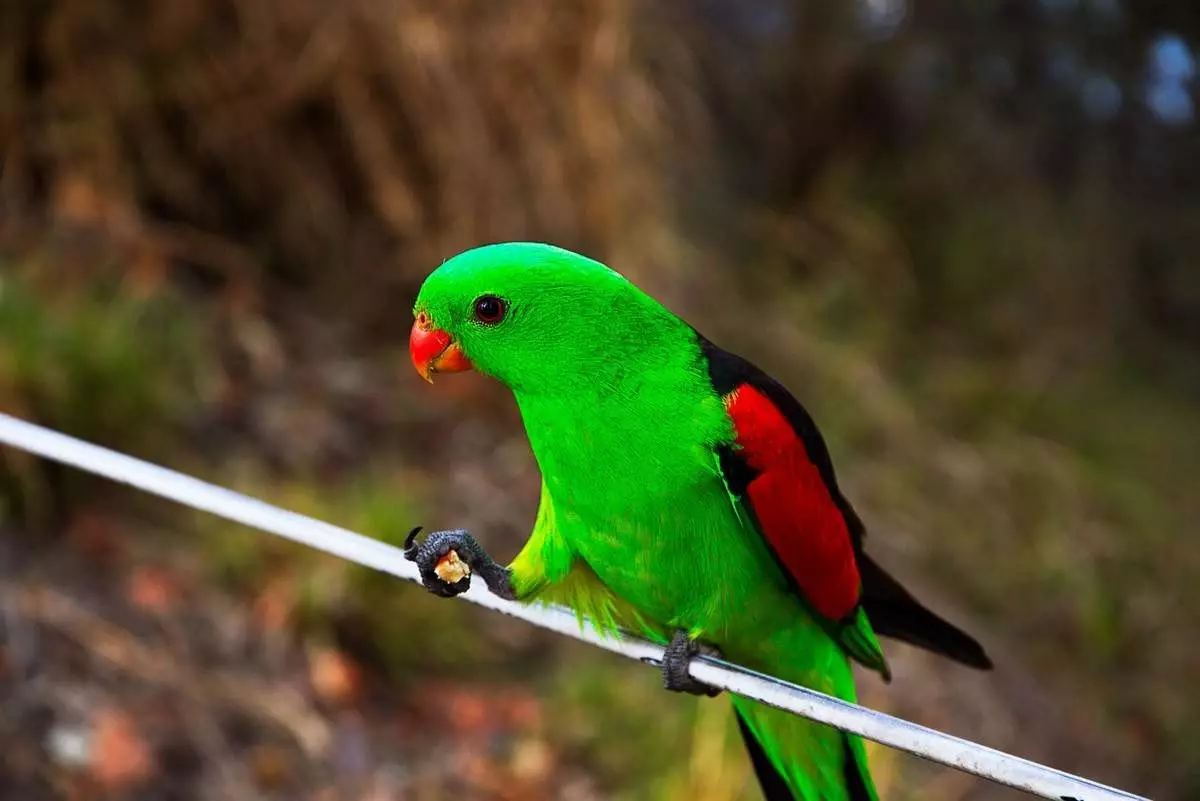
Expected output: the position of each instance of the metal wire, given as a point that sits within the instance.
(902, 734)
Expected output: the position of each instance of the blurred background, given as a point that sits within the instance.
(964, 233)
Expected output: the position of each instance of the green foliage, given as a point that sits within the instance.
(96, 362)
(400, 627)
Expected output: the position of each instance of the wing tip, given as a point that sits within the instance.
(896, 614)
(974, 656)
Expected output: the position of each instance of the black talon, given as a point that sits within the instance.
(437, 545)
(410, 550)
(676, 658)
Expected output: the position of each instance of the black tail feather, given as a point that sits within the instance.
(895, 613)
(774, 788)
(856, 784)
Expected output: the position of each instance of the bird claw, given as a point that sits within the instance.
(447, 559)
(678, 656)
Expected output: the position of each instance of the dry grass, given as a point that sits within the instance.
(323, 144)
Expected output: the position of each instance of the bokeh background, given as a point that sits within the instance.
(964, 233)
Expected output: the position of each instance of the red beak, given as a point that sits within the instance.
(433, 350)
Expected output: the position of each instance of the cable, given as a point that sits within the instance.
(902, 734)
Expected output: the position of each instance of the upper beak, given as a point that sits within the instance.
(434, 351)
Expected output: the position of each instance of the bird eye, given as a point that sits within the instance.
(490, 309)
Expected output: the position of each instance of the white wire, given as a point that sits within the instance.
(895, 732)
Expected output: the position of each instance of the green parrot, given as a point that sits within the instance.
(686, 497)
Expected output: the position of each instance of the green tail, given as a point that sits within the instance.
(796, 759)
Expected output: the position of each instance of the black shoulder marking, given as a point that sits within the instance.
(774, 788)
(737, 471)
(728, 371)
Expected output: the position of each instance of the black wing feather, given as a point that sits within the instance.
(895, 613)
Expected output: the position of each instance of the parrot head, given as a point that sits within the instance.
(531, 315)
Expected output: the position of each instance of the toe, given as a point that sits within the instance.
(677, 658)
(443, 571)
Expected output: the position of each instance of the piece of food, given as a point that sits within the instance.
(451, 569)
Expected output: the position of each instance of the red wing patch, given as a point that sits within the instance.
(793, 506)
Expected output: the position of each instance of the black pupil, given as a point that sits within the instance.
(489, 309)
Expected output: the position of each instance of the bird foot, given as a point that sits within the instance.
(676, 659)
(447, 559)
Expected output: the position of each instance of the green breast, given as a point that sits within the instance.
(639, 496)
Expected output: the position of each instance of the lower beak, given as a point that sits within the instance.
(434, 351)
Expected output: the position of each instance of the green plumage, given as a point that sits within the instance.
(636, 527)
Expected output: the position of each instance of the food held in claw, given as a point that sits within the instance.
(451, 569)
